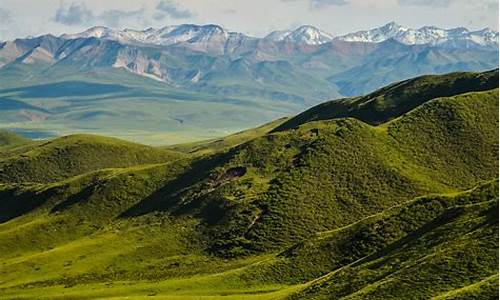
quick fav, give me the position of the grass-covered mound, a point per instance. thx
(375, 235)
(441, 246)
(277, 189)
(77, 154)
(72, 240)
(435, 246)
(9, 140)
(326, 210)
(396, 99)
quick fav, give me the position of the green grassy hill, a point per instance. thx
(331, 208)
(218, 145)
(434, 246)
(276, 189)
(77, 154)
(9, 140)
(396, 99)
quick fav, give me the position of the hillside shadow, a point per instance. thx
(80, 197)
(448, 216)
(14, 204)
(167, 198)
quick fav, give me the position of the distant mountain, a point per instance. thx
(303, 35)
(248, 80)
(427, 35)
(169, 35)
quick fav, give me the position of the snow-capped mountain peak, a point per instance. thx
(167, 35)
(305, 34)
(278, 35)
(310, 35)
(190, 32)
(377, 35)
(427, 35)
(96, 31)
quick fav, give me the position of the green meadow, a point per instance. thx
(393, 195)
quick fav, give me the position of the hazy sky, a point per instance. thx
(20, 18)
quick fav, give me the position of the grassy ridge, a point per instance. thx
(325, 210)
(437, 246)
(374, 236)
(9, 140)
(326, 175)
(276, 189)
(218, 145)
(77, 154)
(383, 249)
(396, 99)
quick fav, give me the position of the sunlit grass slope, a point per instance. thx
(396, 99)
(335, 208)
(218, 145)
(10, 140)
(273, 190)
(435, 246)
(442, 246)
(76, 154)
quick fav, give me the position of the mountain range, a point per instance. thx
(204, 81)
(388, 195)
(306, 34)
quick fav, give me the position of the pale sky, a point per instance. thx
(20, 18)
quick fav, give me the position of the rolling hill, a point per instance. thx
(11, 140)
(397, 99)
(68, 156)
(351, 204)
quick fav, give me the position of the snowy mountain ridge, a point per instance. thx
(305, 34)
(164, 36)
(430, 35)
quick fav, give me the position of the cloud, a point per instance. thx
(79, 14)
(317, 4)
(230, 11)
(114, 17)
(171, 9)
(429, 3)
(4, 16)
(489, 5)
(5, 21)
(324, 3)
(73, 14)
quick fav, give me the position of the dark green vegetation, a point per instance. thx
(326, 208)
